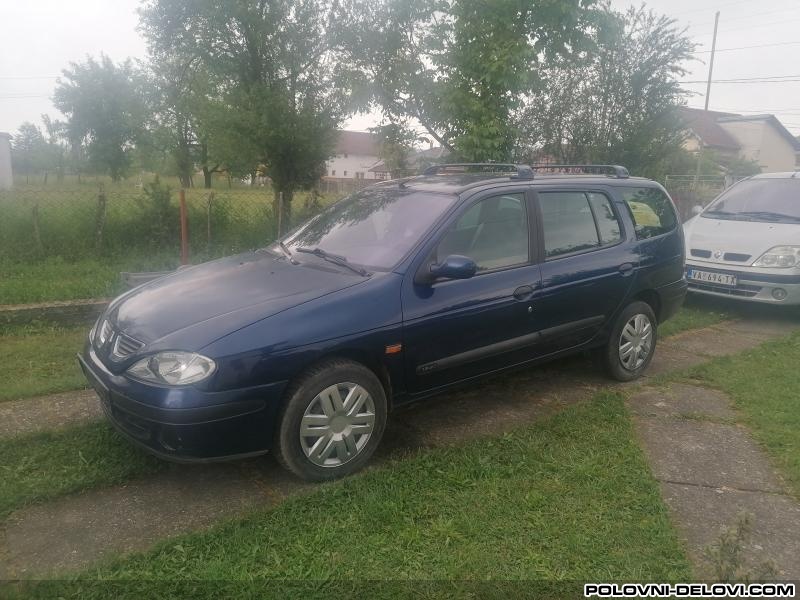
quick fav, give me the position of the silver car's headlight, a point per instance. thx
(780, 257)
(173, 368)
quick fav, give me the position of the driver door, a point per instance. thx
(457, 329)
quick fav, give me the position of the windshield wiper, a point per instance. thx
(335, 259)
(287, 252)
(772, 216)
(724, 214)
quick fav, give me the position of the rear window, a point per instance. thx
(651, 210)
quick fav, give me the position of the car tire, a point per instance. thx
(342, 437)
(632, 342)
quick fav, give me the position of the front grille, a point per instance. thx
(729, 256)
(125, 345)
(700, 253)
(736, 257)
(741, 290)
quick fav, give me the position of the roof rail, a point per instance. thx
(516, 171)
(611, 170)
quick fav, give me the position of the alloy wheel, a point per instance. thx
(337, 424)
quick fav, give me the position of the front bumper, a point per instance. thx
(186, 424)
(750, 286)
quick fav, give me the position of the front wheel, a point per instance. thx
(332, 421)
(632, 343)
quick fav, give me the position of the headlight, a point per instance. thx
(173, 368)
(780, 257)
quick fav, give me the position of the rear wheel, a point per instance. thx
(332, 422)
(632, 343)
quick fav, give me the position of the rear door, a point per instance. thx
(457, 329)
(588, 264)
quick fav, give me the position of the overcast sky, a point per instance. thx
(41, 36)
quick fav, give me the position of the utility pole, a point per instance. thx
(708, 95)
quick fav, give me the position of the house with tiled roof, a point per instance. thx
(760, 138)
(356, 155)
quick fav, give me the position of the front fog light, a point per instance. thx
(173, 368)
(779, 294)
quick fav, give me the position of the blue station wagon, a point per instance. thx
(393, 294)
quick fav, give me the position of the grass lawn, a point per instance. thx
(57, 279)
(765, 386)
(39, 360)
(692, 316)
(567, 499)
(43, 466)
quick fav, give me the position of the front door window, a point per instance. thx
(493, 232)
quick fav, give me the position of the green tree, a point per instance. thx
(105, 111)
(279, 77)
(459, 67)
(396, 145)
(56, 147)
(28, 150)
(615, 102)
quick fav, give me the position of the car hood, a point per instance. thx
(195, 306)
(750, 238)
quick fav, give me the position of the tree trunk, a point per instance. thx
(207, 172)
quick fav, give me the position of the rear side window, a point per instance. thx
(651, 210)
(607, 223)
(576, 222)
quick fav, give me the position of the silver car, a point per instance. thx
(746, 243)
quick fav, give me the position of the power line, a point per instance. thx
(748, 47)
(755, 111)
(763, 14)
(697, 10)
(758, 79)
(745, 82)
(752, 26)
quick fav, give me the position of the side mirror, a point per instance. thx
(696, 210)
(454, 266)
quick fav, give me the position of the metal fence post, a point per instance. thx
(37, 235)
(280, 214)
(184, 230)
(209, 201)
(100, 220)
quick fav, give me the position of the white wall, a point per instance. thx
(5, 161)
(762, 143)
(352, 164)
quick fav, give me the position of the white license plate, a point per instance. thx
(715, 278)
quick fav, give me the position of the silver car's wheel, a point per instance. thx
(337, 424)
(636, 342)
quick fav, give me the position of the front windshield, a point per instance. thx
(770, 200)
(374, 228)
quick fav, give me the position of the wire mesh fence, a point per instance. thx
(95, 222)
(688, 191)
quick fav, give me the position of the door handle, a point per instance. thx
(626, 268)
(523, 292)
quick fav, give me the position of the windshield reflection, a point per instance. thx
(374, 228)
(768, 200)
